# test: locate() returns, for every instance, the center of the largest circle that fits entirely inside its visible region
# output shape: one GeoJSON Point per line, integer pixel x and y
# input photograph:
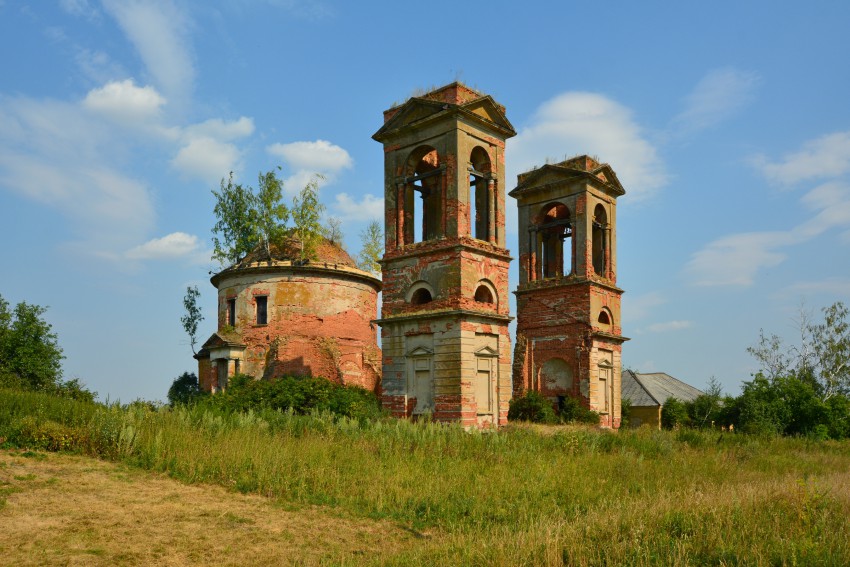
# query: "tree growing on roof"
{"type": "Point", "coordinates": [193, 315]}
{"type": "Point", "coordinates": [306, 214]}
{"type": "Point", "coordinates": [372, 239]}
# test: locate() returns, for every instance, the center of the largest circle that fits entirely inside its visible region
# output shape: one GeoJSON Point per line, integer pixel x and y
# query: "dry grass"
{"type": "Point", "coordinates": [69, 510]}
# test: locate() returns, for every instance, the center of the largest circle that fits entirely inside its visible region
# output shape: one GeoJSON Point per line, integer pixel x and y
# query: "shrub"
{"type": "Point", "coordinates": [184, 389]}
{"type": "Point", "coordinates": [570, 409]}
{"type": "Point", "coordinates": [673, 414]}
{"type": "Point", "coordinates": [532, 406]}
{"type": "Point", "coordinates": [299, 394]}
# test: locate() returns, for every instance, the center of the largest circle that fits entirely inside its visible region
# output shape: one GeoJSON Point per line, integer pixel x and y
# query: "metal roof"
{"type": "Point", "coordinates": [655, 389]}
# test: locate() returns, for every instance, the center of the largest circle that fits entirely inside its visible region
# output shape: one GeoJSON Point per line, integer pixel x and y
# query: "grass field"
{"type": "Point", "coordinates": [425, 494]}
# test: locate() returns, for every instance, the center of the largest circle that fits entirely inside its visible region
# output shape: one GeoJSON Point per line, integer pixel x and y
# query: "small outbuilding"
{"type": "Point", "coordinates": [649, 392]}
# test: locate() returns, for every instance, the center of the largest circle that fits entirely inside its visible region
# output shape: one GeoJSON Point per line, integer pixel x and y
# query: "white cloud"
{"type": "Point", "coordinates": [736, 259]}
{"type": "Point", "coordinates": [588, 123]}
{"type": "Point", "coordinates": [669, 326]}
{"type": "Point", "coordinates": [310, 158]}
{"type": "Point", "coordinates": [348, 209]}
{"type": "Point", "coordinates": [158, 29]}
{"type": "Point", "coordinates": [823, 158]}
{"type": "Point", "coordinates": [637, 307]}
{"type": "Point", "coordinates": [320, 156]}
{"type": "Point", "coordinates": [832, 286]}
{"type": "Point", "coordinates": [125, 102]}
{"type": "Point", "coordinates": [221, 129]}
{"type": "Point", "coordinates": [208, 159]}
{"type": "Point", "coordinates": [717, 96]}
{"type": "Point", "coordinates": [169, 247]}
{"type": "Point", "coordinates": [57, 154]}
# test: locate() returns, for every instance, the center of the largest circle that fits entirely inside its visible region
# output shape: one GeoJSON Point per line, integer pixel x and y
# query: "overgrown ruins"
{"type": "Point", "coordinates": [445, 305]}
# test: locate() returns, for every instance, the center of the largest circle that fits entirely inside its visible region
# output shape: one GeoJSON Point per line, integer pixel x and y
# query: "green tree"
{"type": "Point", "coordinates": [30, 356]}
{"type": "Point", "coordinates": [333, 231]}
{"type": "Point", "coordinates": [372, 240]}
{"type": "Point", "coordinates": [831, 346]}
{"type": "Point", "coordinates": [193, 316]}
{"type": "Point", "coordinates": [306, 212]}
{"type": "Point", "coordinates": [705, 409]}
{"type": "Point", "coordinates": [184, 389]}
{"type": "Point", "coordinates": [673, 414]}
{"type": "Point", "coordinates": [235, 230]}
{"type": "Point", "coordinates": [270, 214]}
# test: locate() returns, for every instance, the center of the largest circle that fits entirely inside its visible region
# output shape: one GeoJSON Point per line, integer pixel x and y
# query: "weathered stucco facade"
{"type": "Point", "coordinates": [445, 311]}
{"type": "Point", "coordinates": [281, 317]}
{"type": "Point", "coordinates": [569, 340]}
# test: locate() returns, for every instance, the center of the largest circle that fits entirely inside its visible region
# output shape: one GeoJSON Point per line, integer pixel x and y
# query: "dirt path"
{"type": "Point", "coordinates": [67, 510]}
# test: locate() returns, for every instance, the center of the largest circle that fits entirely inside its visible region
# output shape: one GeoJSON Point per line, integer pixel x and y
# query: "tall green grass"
{"type": "Point", "coordinates": [518, 496]}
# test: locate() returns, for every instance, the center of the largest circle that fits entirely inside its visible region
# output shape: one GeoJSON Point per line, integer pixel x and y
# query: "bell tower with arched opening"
{"type": "Point", "coordinates": [569, 339]}
{"type": "Point", "coordinates": [445, 310]}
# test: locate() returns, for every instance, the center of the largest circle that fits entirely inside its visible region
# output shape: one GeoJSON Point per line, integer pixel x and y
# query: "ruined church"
{"type": "Point", "coordinates": [445, 345]}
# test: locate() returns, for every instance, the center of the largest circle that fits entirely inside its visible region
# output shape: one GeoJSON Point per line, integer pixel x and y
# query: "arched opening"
{"type": "Point", "coordinates": [553, 228]}
{"type": "Point", "coordinates": [481, 195]}
{"type": "Point", "coordinates": [421, 296]}
{"type": "Point", "coordinates": [600, 241]}
{"type": "Point", "coordinates": [604, 319]}
{"type": "Point", "coordinates": [483, 294]}
{"type": "Point", "coordinates": [423, 176]}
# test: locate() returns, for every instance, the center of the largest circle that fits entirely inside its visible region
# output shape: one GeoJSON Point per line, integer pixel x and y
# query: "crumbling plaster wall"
{"type": "Point", "coordinates": [319, 323]}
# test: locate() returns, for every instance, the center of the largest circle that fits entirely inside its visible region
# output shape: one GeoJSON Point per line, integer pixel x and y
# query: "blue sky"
{"type": "Point", "coordinates": [727, 122]}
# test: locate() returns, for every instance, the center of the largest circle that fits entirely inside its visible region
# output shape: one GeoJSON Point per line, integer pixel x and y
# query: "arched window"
{"type": "Point", "coordinates": [604, 319]}
{"type": "Point", "coordinates": [481, 196]}
{"type": "Point", "coordinates": [421, 296]}
{"type": "Point", "coordinates": [483, 294]}
{"type": "Point", "coordinates": [553, 228]}
{"type": "Point", "coordinates": [600, 241]}
{"type": "Point", "coordinates": [423, 176]}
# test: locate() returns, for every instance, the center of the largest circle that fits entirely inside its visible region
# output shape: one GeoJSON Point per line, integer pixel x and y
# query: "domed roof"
{"type": "Point", "coordinates": [289, 248]}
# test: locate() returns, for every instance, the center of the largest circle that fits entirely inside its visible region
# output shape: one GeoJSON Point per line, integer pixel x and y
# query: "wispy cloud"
{"type": "Point", "coordinates": [589, 123]}
{"type": "Point", "coordinates": [306, 159]}
{"type": "Point", "coordinates": [177, 245]}
{"type": "Point", "coordinates": [56, 154]}
{"type": "Point", "coordinates": [159, 29]}
{"type": "Point", "coordinates": [349, 209]}
{"type": "Point", "coordinates": [834, 286]}
{"type": "Point", "coordinates": [717, 96]}
{"type": "Point", "coordinates": [669, 326]}
{"type": "Point", "coordinates": [736, 259]}
{"type": "Point", "coordinates": [637, 307]}
{"type": "Point", "coordinates": [823, 158]}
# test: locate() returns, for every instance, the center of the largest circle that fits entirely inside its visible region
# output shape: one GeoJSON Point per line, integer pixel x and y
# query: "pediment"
{"type": "Point", "coordinates": [487, 109]}
{"type": "Point", "coordinates": [602, 176]}
{"type": "Point", "coordinates": [217, 340]}
{"type": "Point", "coordinates": [486, 351]}
{"type": "Point", "coordinates": [483, 110]}
{"type": "Point", "coordinates": [420, 351]}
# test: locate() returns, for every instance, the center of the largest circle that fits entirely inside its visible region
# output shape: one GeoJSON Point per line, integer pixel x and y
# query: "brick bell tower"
{"type": "Point", "coordinates": [569, 340]}
{"type": "Point", "coordinates": [445, 309]}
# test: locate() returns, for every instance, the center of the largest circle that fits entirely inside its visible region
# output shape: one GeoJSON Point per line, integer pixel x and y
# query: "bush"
{"type": "Point", "coordinates": [299, 394]}
{"type": "Point", "coordinates": [673, 414]}
{"type": "Point", "coordinates": [184, 389]}
{"type": "Point", "coordinates": [532, 406]}
{"type": "Point", "coordinates": [571, 410]}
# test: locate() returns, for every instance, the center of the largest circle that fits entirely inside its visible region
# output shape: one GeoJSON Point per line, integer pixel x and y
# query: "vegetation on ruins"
{"type": "Point", "coordinates": [306, 214]}
{"type": "Point", "coordinates": [517, 496]}
{"type": "Point", "coordinates": [248, 218]}
{"type": "Point", "coordinates": [193, 316]}
{"type": "Point", "coordinates": [372, 248]}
